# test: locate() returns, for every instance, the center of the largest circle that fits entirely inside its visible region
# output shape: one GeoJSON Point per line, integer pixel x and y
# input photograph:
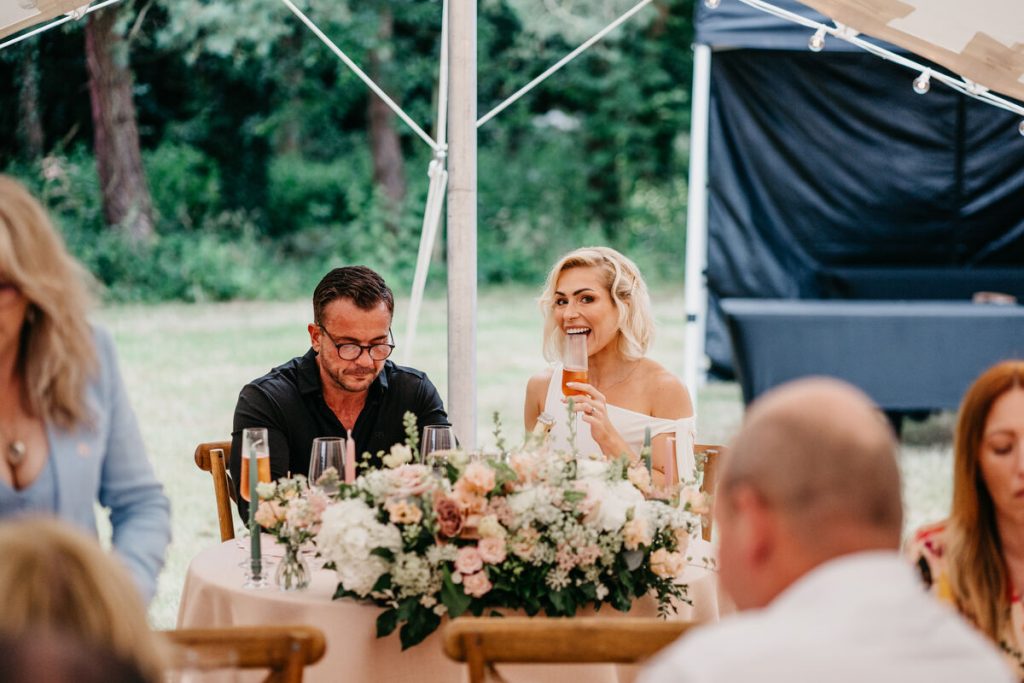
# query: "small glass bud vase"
{"type": "Point", "coordinates": [292, 572]}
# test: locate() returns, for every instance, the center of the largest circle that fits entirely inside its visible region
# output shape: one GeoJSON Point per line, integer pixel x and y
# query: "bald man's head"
{"type": "Point", "coordinates": [819, 453]}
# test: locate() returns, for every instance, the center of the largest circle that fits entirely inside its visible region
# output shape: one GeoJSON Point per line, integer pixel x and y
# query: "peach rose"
{"type": "Point", "coordinates": [640, 478]}
{"type": "Point", "coordinates": [479, 477]}
{"type": "Point", "coordinates": [636, 533]}
{"type": "Point", "coordinates": [476, 585]}
{"type": "Point", "coordinates": [682, 540]}
{"type": "Point", "coordinates": [403, 512]}
{"type": "Point", "coordinates": [525, 543]}
{"type": "Point", "coordinates": [696, 501]}
{"type": "Point", "coordinates": [468, 497]}
{"type": "Point", "coordinates": [468, 560]}
{"type": "Point", "coordinates": [667, 565]}
{"type": "Point", "coordinates": [449, 516]}
{"type": "Point", "coordinates": [492, 550]}
{"type": "Point", "coordinates": [269, 513]}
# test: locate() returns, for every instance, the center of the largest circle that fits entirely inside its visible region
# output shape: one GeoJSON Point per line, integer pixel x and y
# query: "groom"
{"type": "Point", "coordinates": [343, 386]}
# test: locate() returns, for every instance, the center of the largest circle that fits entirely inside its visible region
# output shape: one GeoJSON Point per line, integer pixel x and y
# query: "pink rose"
{"type": "Point", "coordinates": [640, 478]}
{"type": "Point", "coordinates": [476, 585]}
{"type": "Point", "coordinates": [449, 516]}
{"type": "Point", "coordinates": [526, 467]}
{"type": "Point", "coordinates": [468, 560]}
{"type": "Point", "coordinates": [411, 480]}
{"type": "Point", "coordinates": [492, 550]}
{"type": "Point", "coordinates": [479, 477]}
{"type": "Point", "coordinates": [696, 501]}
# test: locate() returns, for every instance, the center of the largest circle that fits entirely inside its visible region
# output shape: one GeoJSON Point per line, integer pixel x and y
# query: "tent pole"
{"type": "Point", "coordinates": [696, 294]}
{"type": "Point", "coordinates": [462, 263]}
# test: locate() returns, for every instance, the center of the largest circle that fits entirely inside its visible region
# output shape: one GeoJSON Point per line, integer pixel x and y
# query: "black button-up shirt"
{"type": "Point", "coordinates": [289, 402]}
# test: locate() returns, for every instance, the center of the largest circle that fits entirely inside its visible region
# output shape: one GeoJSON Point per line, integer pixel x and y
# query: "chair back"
{"type": "Point", "coordinates": [284, 650]}
{"type": "Point", "coordinates": [213, 457]}
{"type": "Point", "coordinates": [482, 642]}
{"type": "Point", "coordinates": [708, 454]}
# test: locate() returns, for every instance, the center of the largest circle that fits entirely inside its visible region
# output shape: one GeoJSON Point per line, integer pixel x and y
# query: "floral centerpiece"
{"type": "Point", "coordinates": [290, 511]}
{"type": "Point", "coordinates": [531, 529]}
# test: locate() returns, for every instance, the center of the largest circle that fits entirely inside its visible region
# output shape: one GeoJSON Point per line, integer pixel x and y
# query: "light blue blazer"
{"type": "Point", "coordinates": [105, 460]}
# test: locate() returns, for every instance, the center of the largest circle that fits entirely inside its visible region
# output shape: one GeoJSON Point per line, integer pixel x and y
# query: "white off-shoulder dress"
{"type": "Point", "coordinates": [630, 425]}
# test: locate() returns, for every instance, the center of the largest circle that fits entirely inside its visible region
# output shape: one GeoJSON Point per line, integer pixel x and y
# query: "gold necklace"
{"type": "Point", "coordinates": [629, 374]}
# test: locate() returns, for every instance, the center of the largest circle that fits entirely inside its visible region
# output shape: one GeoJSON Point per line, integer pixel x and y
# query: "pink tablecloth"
{"type": "Point", "coordinates": [213, 597]}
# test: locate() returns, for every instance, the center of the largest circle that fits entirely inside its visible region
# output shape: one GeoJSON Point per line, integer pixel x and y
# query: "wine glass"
{"type": "Point", "coordinates": [438, 442]}
{"type": "Point", "coordinates": [327, 452]}
{"type": "Point", "coordinates": [254, 443]}
{"type": "Point", "coordinates": [574, 363]}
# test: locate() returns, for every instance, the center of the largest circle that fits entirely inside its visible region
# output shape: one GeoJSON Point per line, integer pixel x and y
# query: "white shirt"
{"type": "Point", "coordinates": [862, 618]}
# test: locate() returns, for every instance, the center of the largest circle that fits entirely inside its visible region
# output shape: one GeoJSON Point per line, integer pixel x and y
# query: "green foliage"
{"type": "Point", "coordinates": [257, 146]}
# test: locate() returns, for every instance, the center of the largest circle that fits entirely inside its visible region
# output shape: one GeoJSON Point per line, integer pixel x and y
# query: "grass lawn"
{"type": "Point", "coordinates": [185, 363]}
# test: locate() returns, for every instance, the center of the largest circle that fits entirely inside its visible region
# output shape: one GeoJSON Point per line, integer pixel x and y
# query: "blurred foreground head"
{"type": "Point", "coordinates": [811, 476]}
{"type": "Point", "coordinates": [54, 579]}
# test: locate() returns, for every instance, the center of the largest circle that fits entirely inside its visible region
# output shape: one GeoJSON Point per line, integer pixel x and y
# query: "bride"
{"type": "Point", "coordinates": [599, 293]}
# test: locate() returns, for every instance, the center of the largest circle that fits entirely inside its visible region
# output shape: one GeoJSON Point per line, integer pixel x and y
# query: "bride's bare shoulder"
{"type": "Point", "coordinates": [540, 381]}
{"type": "Point", "coordinates": [670, 398]}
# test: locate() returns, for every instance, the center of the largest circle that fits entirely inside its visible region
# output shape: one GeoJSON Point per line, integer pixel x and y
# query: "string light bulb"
{"type": "Point", "coordinates": [923, 83]}
{"type": "Point", "coordinates": [817, 41]}
{"type": "Point", "coordinates": [712, 4]}
{"type": "Point", "coordinates": [1020, 127]}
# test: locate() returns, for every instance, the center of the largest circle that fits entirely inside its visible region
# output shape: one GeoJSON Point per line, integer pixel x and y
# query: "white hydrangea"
{"type": "Point", "coordinates": [615, 501]}
{"type": "Point", "coordinates": [349, 532]}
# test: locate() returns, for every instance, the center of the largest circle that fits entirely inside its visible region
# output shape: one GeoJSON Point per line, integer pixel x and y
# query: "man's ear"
{"type": "Point", "coordinates": [756, 521]}
{"type": "Point", "coordinates": [314, 336]}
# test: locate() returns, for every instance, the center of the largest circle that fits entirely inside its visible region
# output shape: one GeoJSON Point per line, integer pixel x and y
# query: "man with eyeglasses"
{"type": "Point", "coordinates": [343, 386]}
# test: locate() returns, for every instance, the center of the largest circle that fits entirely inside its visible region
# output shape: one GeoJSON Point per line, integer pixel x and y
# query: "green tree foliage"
{"type": "Point", "coordinates": [256, 145]}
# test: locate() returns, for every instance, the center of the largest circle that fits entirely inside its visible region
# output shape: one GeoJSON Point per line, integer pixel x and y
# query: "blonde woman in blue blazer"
{"type": "Point", "coordinates": [68, 436]}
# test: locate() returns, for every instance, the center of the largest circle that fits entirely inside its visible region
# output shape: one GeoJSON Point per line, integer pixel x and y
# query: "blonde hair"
{"type": "Point", "coordinates": [628, 291]}
{"type": "Point", "coordinates": [56, 579]}
{"type": "Point", "coordinates": [977, 573]}
{"type": "Point", "coordinates": [57, 354]}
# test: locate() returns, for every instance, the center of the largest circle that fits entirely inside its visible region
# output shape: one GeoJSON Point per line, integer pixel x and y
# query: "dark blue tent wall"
{"type": "Point", "coordinates": [824, 163]}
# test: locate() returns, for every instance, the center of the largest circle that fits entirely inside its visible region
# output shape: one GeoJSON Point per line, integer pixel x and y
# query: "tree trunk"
{"type": "Point", "coordinates": [388, 165]}
{"type": "Point", "coordinates": [126, 199]}
{"type": "Point", "coordinates": [30, 125]}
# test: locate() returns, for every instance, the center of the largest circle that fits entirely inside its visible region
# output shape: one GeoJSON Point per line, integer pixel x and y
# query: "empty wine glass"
{"type": "Point", "coordinates": [438, 442]}
{"type": "Point", "coordinates": [327, 452]}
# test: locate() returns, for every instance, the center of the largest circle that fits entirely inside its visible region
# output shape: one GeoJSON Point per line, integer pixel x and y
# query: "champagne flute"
{"type": "Point", "coordinates": [574, 364]}
{"type": "Point", "coordinates": [255, 446]}
{"type": "Point", "coordinates": [254, 439]}
{"type": "Point", "coordinates": [327, 452]}
{"type": "Point", "coordinates": [438, 442]}
{"type": "Point", "coordinates": [664, 451]}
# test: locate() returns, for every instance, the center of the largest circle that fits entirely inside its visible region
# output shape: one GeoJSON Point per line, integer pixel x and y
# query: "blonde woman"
{"type": "Point", "coordinates": [599, 293]}
{"type": "Point", "coordinates": [975, 559]}
{"type": "Point", "coordinates": [56, 580]}
{"type": "Point", "coordinates": [68, 436]}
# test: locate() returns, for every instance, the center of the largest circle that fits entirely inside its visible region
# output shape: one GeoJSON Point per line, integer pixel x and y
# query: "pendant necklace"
{"type": "Point", "coordinates": [14, 452]}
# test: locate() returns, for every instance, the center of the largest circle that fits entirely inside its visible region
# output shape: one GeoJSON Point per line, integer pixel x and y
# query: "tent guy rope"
{"type": "Point", "coordinates": [70, 16]}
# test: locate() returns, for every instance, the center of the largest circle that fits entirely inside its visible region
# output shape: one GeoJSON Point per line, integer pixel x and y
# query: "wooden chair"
{"type": "Point", "coordinates": [709, 454]}
{"type": "Point", "coordinates": [213, 457]}
{"type": "Point", "coordinates": [482, 642]}
{"type": "Point", "coordinates": [284, 650]}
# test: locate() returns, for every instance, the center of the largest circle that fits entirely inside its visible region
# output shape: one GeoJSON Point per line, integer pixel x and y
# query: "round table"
{"type": "Point", "coordinates": [213, 596]}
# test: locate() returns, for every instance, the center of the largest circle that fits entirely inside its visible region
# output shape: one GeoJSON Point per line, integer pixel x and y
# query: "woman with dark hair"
{"type": "Point", "coordinates": [68, 436]}
{"type": "Point", "coordinates": [975, 559]}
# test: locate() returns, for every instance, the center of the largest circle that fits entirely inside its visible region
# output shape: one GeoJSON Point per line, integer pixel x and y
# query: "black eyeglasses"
{"type": "Point", "coordinates": [350, 351]}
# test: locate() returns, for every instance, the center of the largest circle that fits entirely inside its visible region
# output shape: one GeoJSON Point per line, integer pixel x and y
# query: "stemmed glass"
{"type": "Point", "coordinates": [327, 452]}
{"type": "Point", "coordinates": [438, 442]}
{"type": "Point", "coordinates": [664, 451]}
{"type": "Point", "coordinates": [255, 446]}
{"type": "Point", "coordinates": [574, 369]}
